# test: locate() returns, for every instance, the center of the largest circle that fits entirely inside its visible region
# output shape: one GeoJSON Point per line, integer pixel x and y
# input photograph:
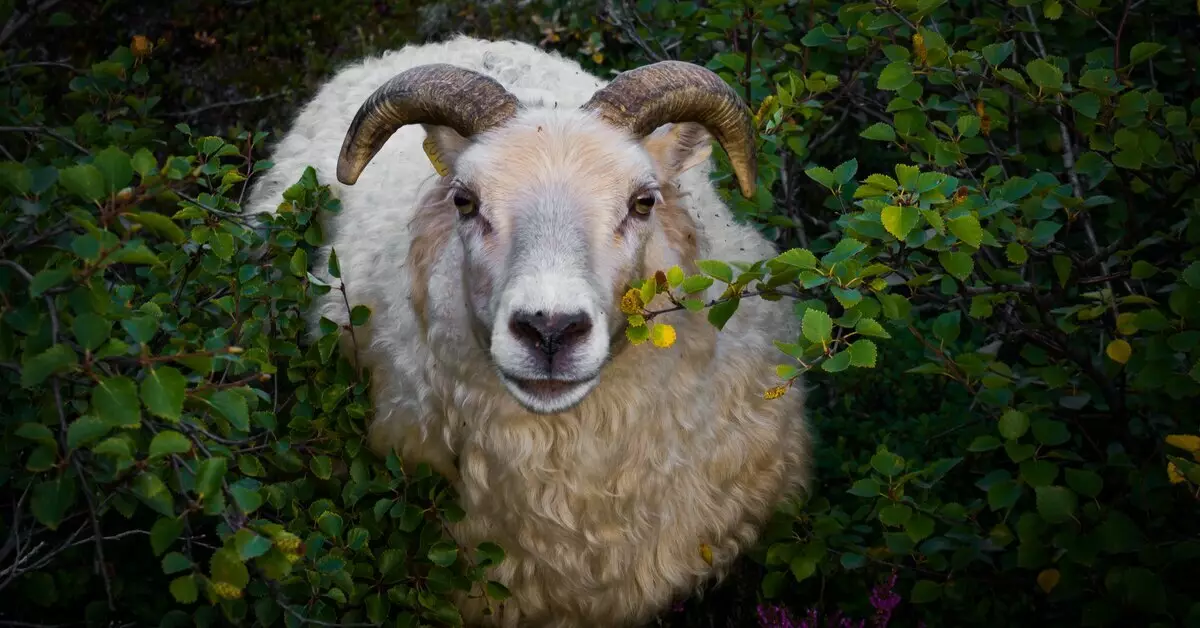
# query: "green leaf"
{"type": "Point", "coordinates": [946, 326]}
{"type": "Point", "coordinates": [887, 463]}
{"type": "Point", "coordinates": [866, 487]}
{"type": "Point", "coordinates": [35, 432]}
{"type": "Point", "coordinates": [175, 563]}
{"type": "Point", "coordinates": [115, 400]}
{"type": "Point", "coordinates": [822, 175]}
{"type": "Point", "coordinates": [900, 220]}
{"type": "Point", "coordinates": [169, 442]}
{"type": "Point", "coordinates": [85, 181]}
{"type": "Point", "coordinates": [227, 566]}
{"type": "Point", "coordinates": [837, 363]}
{"type": "Point", "coordinates": [1191, 275]}
{"type": "Point", "coordinates": [720, 313]}
{"type": "Point", "coordinates": [47, 279]}
{"type": "Point", "coordinates": [1084, 482]}
{"type": "Point", "coordinates": [1143, 51]}
{"type": "Point", "coordinates": [488, 554]}
{"type": "Point", "coordinates": [871, 327]}
{"type": "Point", "coordinates": [862, 353]}
{"type": "Point", "coordinates": [967, 229]}
{"type": "Point", "coordinates": [696, 283]}
{"type": "Point", "coordinates": [15, 177]}
{"type": "Point", "coordinates": [143, 162]}
{"type": "Point", "coordinates": [359, 315]}
{"type": "Point", "coordinates": [1003, 495]}
{"type": "Point", "coordinates": [443, 553]}
{"type": "Point", "coordinates": [1056, 504]}
{"type": "Point", "coordinates": [116, 168]}
{"type": "Point", "coordinates": [209, 474]}
{"type": "Point", "coordinates": [163, 533]}
{"type": "Point", "coordinates": [957, 263]}
{"type": "Point", "coordinates": [250, 545]}
{"type": "Point", "coordinates": [299, 263]}
{"type": "Point", "coordinates": [844, 250]}
{"type": "Point", "coordinates": [233, 407]}
{"type": "Point", "coordinates": [1049, 432]}
{"type": "Point", "coordinates": [247, 499]}
{"type": "Point", "coordinates": [91, 330]}
{"type": "Point", "coordinates": [880, 132]}
{"type": "Point", "coordinates": [895, 75]}
{"type": "Point", "coordinates": [845, 172]}
{"type": "Point", "coordinates": [183, 589]}
{"type": "Point", "coordinates": [140, 328]}
{"type": "Point", "coordinates": [1044, 74]}
{"type": "Point", "coordinates": [817, 326]}
{"type": "Point", "coordinates": [331, 524]}
{"type": "Point", "coordinates": [1086, 103]}
{"type": "Point", "coordinates": [56, 359]}
{"type": "Point", "coordinates": [85, 430]}
{"type": "Point", "coordinates": [799, 258]}
{"type": "Point", "coordinates": [159, 224]}
{"type": "Point", "coordinates": [50, 500]}
{"type": "Point", "coordinates": [852, 561]}
{"type": "Point", "coordinates": [163, 390]}
{"type": "Point", "coordinates": [153, 492]}
{"type": "Point", "coordinates": [995, 54]}
{"type": "Point", "coordinates": [895, 515]}
{"type": "Point", "coordinates": [322, 467]}
{"type": "Point", "coordinates": [1013, 424]}
{"type": "Point", "coordinates": [716, 269]}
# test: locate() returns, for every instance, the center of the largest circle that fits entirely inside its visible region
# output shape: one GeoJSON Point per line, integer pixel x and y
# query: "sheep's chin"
{"type": "Point", "coordinates": [548, 396]}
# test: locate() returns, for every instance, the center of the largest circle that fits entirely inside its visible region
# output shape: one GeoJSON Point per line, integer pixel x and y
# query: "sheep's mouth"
{"type": "Point", "coordinates": [546, 387]}
{"type": "Point", "coordinates": [548, 395]}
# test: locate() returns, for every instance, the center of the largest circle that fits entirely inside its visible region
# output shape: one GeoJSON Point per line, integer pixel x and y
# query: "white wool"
{"type": "Point", "coordinates": [602, 509]}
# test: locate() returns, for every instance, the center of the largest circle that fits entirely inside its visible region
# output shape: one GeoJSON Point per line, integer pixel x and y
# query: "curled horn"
{"type": "Point", "coordinates": [648, 97]}
{"type": "Point", "coordinates": [438, 94]}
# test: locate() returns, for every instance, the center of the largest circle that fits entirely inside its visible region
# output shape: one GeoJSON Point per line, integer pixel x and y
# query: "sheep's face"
{"type": "Point", "coordinates": [556, 213]}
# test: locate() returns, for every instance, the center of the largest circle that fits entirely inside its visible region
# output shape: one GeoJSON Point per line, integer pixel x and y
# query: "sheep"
{"type": "Point", "coordinates": [510, 200]}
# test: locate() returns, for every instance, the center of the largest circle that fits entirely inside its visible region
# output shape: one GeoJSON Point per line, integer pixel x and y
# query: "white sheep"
{"type": "Point", "coordinates": [618, 478]}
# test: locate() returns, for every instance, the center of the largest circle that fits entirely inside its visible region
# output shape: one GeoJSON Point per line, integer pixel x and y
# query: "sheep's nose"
{"type": "Point", "coordinates": [550, 333]}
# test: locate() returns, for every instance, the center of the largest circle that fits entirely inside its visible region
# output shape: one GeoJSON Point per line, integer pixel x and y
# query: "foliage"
{"type": "Point", "coordinates": [1018, 229]}
{"type": "Point", "coordinates": [998, 295]}
{"type": "Point", "coordinates": [165, 422]}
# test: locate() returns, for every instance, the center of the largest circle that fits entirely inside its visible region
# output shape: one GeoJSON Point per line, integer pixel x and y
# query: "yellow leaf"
{"type": "Point", "coordinates": [662, 335]}
{"type": "Point", "coordinates": [1186, 442]}
{"type": "Point", "coordinates": [1119, 351]}
{"type": "Point", "coordinates": [631, 302]}
{"type": "Point", "coordinates": [775, 393]}
{"type": "Point", "coordinates": [1048, 579]}
{"type": "Point", "coordinates": [1174, 475]}
{"type": "Point", "coordinates": [706, 553]}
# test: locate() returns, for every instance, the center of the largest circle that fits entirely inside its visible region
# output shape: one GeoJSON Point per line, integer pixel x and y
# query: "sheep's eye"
{"type": "Point", "coordinates": [643, 202]}
{"type": "Point", "coordinates": [465, 203]}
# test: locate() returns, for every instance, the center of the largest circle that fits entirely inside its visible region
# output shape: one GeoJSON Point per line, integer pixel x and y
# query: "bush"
{"type": "Point", "coordinates": [999, 295]}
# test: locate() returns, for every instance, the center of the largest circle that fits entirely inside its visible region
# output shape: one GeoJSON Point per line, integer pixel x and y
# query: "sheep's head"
{"type": "Point", "coordinates": [557, 209]}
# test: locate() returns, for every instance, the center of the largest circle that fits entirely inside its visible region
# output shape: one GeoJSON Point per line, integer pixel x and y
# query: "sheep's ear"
{"type": "Point", "coordinates": [680, 147]}
{"type": "Point", "coordinates": [443, 146]}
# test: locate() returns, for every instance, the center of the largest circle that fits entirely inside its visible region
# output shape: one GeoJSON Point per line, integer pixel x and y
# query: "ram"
{"type": "Point", "coordinates": [511, 200]}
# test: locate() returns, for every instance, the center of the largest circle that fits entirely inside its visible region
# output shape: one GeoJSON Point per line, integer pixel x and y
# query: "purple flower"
{"type": "Point", "coordinates": [885, 601]}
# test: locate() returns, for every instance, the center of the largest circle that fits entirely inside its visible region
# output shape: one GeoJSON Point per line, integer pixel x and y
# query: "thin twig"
{"type": "Point", "coordinates": [45, 131]}
{"type": "Point", "coordinates": [229, 103]}
{"type": "Point", "coordinates": [1117, 37]}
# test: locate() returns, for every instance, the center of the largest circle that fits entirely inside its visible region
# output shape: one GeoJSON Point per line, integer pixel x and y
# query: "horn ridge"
{"type": "Point", "coordinates": [645, 98]}
{"type": "Point", "coordinates": [441, 94]}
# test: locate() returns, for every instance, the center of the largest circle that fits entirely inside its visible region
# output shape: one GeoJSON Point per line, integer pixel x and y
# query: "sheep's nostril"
{"type": "Point", "coordinates": [550, 333]}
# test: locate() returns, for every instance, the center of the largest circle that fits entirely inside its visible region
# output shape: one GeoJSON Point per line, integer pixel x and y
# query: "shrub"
{"type": "Point", "coordinates": [163, 414]}
{"type": "Point", "coordinates": [999, 297]}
